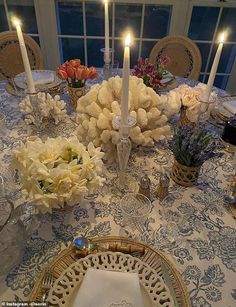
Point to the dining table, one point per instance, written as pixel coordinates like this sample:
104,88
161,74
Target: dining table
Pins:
192,226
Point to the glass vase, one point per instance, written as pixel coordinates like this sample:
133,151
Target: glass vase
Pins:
108,59
75,93
36,112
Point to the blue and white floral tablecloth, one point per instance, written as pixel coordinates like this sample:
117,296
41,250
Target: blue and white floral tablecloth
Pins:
205,253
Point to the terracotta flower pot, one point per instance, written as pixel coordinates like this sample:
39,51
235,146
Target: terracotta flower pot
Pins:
186,176
75,93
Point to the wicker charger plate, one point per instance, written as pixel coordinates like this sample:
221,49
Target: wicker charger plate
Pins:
154,291
152,257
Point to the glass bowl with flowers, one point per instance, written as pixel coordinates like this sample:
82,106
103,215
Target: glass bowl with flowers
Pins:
58,172
154,75
76,76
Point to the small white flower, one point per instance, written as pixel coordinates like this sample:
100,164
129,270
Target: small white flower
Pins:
58,171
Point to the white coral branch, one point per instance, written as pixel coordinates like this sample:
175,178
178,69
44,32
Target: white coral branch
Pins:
48,106
96,110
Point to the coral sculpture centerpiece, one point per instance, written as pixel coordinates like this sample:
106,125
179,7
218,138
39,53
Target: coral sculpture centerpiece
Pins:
98,107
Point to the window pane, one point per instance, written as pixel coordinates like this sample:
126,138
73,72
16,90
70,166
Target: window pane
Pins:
201,78
227,22
95,56
128,16
204,49
70,17
226,60
203,22
119,53
3,18
72,49
156,21
147,48
36,38
24,9
95,19
221,81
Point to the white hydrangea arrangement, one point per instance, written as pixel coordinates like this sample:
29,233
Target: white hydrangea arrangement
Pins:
48,106
188,97
59,171
98,107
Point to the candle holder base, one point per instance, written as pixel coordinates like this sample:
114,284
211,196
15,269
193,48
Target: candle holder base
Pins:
108,67
36,112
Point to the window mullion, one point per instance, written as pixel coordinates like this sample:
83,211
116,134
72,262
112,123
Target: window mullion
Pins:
177,25
212,44
7,15
85,35
113,30
47,28
232,80
141,31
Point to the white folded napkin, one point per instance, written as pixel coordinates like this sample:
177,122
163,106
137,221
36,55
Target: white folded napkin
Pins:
108,288
42,78
230,106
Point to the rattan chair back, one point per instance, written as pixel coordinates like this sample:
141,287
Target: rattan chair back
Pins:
11,62
185,56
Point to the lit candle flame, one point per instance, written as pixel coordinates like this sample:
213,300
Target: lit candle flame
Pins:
222,37
16,21
127,40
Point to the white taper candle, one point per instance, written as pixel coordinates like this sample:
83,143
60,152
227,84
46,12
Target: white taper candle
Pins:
214,67
28,72
125,82
107,50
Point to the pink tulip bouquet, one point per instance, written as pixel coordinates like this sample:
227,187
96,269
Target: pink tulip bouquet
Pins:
152,74
75,73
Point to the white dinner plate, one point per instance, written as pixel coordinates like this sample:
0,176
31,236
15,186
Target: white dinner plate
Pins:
154,291
20,79
221,109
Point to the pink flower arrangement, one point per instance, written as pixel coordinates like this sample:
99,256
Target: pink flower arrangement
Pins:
76,74
152,74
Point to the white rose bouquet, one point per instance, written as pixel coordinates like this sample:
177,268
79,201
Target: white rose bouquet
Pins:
190,99
58,171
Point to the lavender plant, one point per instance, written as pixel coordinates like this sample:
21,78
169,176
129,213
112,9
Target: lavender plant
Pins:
193,146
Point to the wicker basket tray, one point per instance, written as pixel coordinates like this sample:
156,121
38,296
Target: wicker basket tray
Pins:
152,257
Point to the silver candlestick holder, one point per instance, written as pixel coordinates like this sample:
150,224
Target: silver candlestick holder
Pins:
124,147
107,67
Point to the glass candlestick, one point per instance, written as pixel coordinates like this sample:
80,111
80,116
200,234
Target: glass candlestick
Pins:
123,148
107,67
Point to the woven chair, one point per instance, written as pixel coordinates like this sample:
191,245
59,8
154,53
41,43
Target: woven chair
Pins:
11,62
185,56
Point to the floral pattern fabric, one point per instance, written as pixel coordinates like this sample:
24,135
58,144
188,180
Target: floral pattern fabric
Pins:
192,225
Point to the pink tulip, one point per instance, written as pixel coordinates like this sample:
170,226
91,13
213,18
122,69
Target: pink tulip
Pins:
62,74
84,73
78,74
164,60
92,73
75,71
70,71
75,63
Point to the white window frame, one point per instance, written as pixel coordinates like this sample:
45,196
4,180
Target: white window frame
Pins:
49,38
213,3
